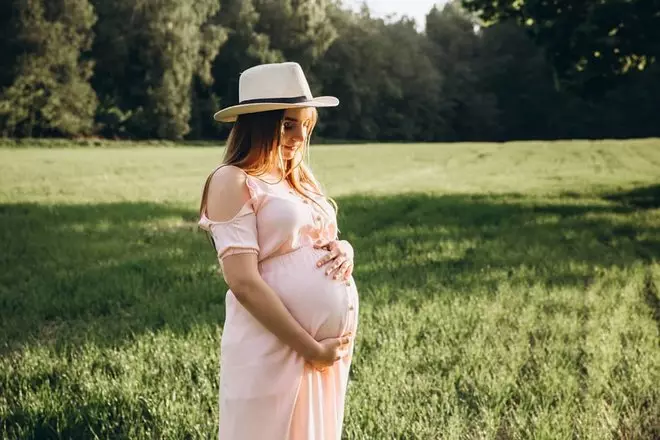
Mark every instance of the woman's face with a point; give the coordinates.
(295, 129)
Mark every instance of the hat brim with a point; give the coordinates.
(230, 114)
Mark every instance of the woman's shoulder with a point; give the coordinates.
(228, 174)
(232, 178)
(229, 189)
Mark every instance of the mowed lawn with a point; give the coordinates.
(508, 291)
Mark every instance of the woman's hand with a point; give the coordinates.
(339, 258)
(330, 351)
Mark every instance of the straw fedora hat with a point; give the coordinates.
(273, 87)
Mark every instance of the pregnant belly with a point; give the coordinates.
(323, 306)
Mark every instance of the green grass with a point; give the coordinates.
(508, 291)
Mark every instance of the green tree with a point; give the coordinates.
(382, 74)
(514, 70)
(45, 70)
(151, 56)
(590, 43)
(244, 48)
(10, 46)
(299, 29)
(470, 110)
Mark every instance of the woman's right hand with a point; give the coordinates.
(329, 351)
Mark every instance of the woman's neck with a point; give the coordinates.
(275, 174)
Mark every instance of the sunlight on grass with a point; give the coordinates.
(176, 174)
(508, 291)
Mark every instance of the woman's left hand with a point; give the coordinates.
(340, 257)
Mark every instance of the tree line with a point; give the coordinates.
(160, 68)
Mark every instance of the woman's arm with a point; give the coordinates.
(242, 277)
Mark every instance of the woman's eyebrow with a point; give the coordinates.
(291, 119)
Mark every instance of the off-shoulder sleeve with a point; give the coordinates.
(238, 235)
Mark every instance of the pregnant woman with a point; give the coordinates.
(292, 305)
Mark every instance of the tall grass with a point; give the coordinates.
(508, 291)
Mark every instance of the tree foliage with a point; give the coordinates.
(384, 78)
(161, 68)
(45, 68)
(298, 29)
(150, 53)
(458, 51)
(590, 43)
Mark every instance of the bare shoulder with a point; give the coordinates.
(228, 192)
(228, 177)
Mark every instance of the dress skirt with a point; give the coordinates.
(267, 391)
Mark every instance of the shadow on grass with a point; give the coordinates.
(92, 420)
(647, 197)
(105, 272)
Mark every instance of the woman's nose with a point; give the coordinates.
(299, 133)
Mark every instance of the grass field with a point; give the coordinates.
(508, 291)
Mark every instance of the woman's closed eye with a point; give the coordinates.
(289, 125)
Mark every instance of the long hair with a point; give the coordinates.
(253, 146)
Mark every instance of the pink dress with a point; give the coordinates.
(267, 391)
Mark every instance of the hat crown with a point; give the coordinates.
(273, 81)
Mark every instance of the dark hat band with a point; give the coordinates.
(294, 100)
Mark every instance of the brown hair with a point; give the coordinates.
(252, 146)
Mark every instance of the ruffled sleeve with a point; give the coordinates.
(238, 235)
